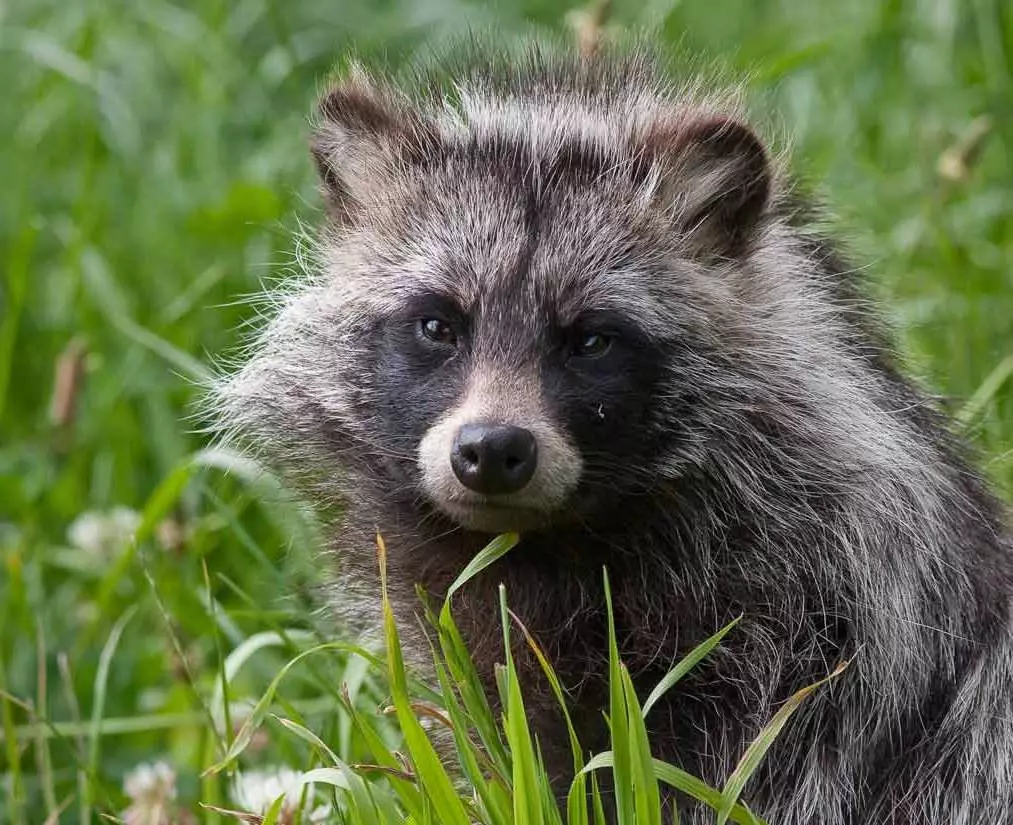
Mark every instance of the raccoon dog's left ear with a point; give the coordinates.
(717, 182)
(365, 130)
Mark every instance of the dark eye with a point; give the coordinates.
(591, 345)
(437, 331)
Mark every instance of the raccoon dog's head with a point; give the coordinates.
(520, 287)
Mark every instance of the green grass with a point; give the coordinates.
(154, 171)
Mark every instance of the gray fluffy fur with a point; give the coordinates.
(793, 475)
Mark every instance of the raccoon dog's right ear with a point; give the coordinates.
(365, 130)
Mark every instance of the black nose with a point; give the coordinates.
(494, 458)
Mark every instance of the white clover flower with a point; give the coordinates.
(152, 790)
(104, 532)
(255, 792)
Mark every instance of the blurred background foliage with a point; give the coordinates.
(153, 171)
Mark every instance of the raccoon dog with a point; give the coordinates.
(562, 296)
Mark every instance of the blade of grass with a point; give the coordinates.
(465, 696)
(702, 792)
(647, 798)
(223, 682)
(98, 704)
(686, 664)
(289, 637)
(469, 753)
(44, 758)
(239, 816)
(274, 812)
(576, 801)
(682, 781)
(459, 662)
(435, 782)
(169, 626)
(52, 733)
(758, 747)
(70, 696)
(526, 790)
(14, 785)
(622, 770)
(469, 684)
(307, 736)
(363, 803)
(17, 277)
(243, 652)
(547, 798)
(986, 391)
(596, 802)
(259, 712)
(54, 816)
(125, 725)
(406, 791)
(211, 791)
(353, 680)
(157, 507)
(491, 553)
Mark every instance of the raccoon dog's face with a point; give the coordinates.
(521, 291)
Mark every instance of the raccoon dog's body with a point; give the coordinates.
(564, 298)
